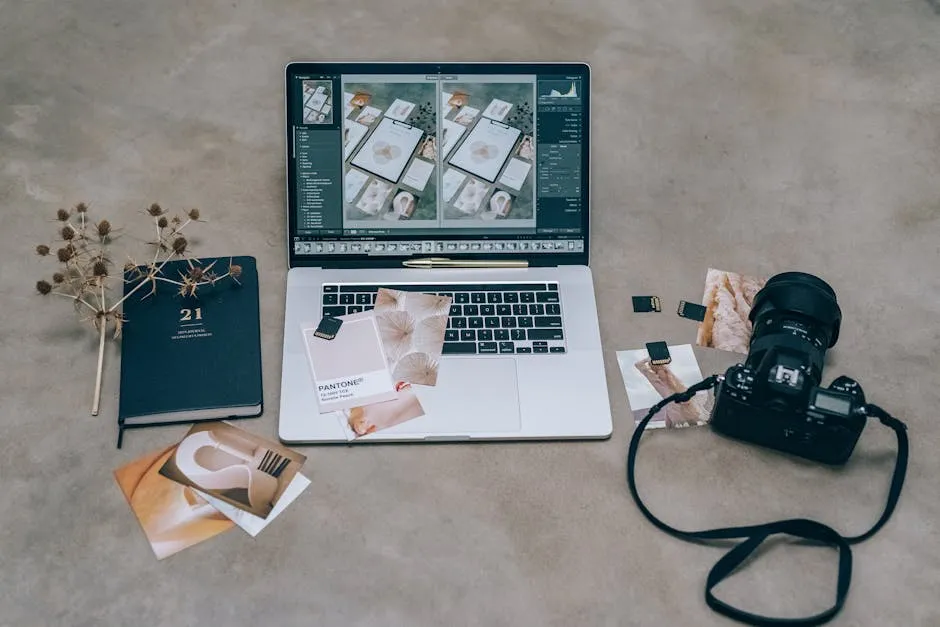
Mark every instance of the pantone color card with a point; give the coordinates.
(350, 370)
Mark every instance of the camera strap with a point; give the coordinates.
(754, 535)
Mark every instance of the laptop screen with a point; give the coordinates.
(464, 160)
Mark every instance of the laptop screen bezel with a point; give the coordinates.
(298, 68)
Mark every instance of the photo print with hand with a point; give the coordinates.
(727, 299)
(647, 384)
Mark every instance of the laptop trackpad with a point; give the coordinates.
(471, 396)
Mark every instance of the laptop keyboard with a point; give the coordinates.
(486, 318)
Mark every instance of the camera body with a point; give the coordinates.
(775, 399)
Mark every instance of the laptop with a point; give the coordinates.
(469, 180)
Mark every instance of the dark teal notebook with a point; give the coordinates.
(187, 359)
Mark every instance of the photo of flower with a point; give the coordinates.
(412, 327)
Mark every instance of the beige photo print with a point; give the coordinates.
(727, 299)
(647, 384)
(412, 327)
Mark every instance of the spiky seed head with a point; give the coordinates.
(42, 250)
(44, 287)
(155, 210)
(62, 215)
(179, 245)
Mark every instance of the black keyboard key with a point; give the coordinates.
(524, 349)
(494, 297)
(544, 334)
(347, 299)
(330, 288)
(460, 323)
(548, 321)
(507, 347)
(540, 349)
(358, 288)
(503, 310)
(511, 297)
(501, 334)
(352, 309)
(468, 335)
(330, 299)
(527, 297)
(475, 323)
(508, 322)
(518, 334)
(537, 310)
(526, 322)
(455, 310)
(485, 335)
(553, 287)
(460, 348)
(451, 335)
(478, 297)
(556, 349)
(461, 298)
(334, 311)
(553, 309)
(471, 310)
(520, 310)
(488, 347)
(487, 310)
(540, 343)
(547, 297)
(364, 299)
(492, 322)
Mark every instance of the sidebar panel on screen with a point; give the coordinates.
(317, 151)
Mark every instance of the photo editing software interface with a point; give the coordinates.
(396, 164)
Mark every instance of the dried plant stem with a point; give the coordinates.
(77, 300)
(103, 329)
(140, 284)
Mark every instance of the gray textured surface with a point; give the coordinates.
(759, 136)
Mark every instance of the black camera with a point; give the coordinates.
(774, 398)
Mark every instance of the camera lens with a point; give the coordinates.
(797, 312)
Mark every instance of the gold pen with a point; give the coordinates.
(443, 262)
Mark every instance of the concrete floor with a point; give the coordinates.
(752, 136)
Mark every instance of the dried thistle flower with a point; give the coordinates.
(64, 254)
(235, 270)
(44, 287)
(104, 228)
(193, 214)
(67, 233)
(42, 250)
(62, 215)
(58, 277)
(176, 220)
(81, 207)
(196, 273)
(100, 269)
(130, 266)
(179, 245)
(155, 210)
(163, 222)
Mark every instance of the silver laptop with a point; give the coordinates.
(468, 180)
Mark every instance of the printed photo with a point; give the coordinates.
(452, 134)
(497, 109)
(251, 524)
(400, 110)
(514, 176)
(466, 116)
(526, 148)
(353, 183)
(728, 299)
(498, 207)
(353, 132)
(418, 174)
(486, 149)
(361, 421)
(373, 199)
(451, 183)
(234, 466)
(429, 149)
(360, 99)
(402, 206)
(471, 197)
(173, 517)
(412, 327)
(368, 116)
(647, 384)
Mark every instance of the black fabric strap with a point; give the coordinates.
(754, 535)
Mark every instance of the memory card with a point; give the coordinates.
(692, 311)
(328, 328)
(643, 304)
(659, 353)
